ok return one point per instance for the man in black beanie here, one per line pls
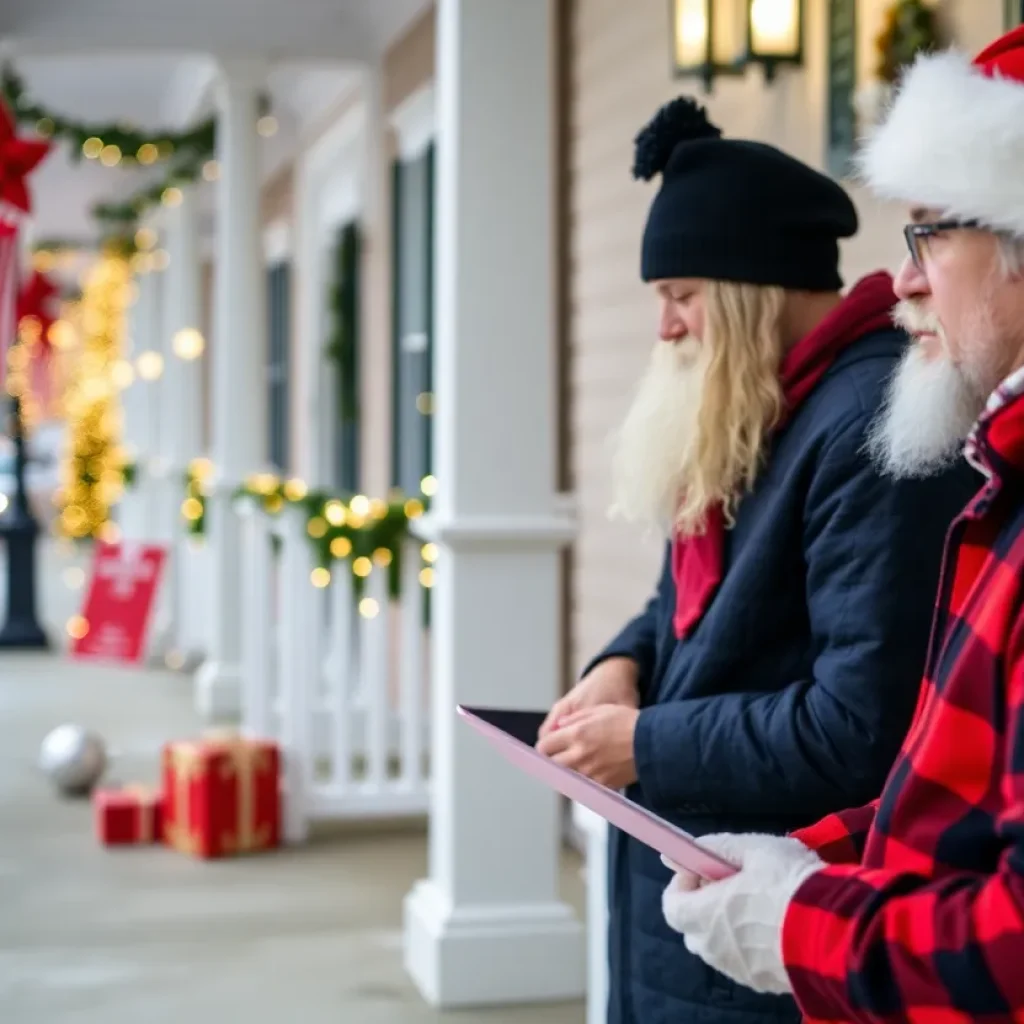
(772, 676)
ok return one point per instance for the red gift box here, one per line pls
(221, 796)
(128, 816)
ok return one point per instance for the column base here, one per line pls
(492, 954)
(218, 691)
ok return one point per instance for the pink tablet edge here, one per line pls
(667, 839)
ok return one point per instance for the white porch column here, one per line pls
(182, 396)
(487, 926)
(238, 400)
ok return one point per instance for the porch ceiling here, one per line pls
(149, 62)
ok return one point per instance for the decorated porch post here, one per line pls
(18, 527)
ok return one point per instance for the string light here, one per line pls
(428, 485)
(188, 344)
(77, 627)
(150, 365)
(92, 148)
(110, 156)
(368, 608)
(147, 154)
(92, 470)
(146, 238)
(320, 578)
(172, 196)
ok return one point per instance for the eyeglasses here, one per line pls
(917, 234)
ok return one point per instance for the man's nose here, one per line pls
(910, 282)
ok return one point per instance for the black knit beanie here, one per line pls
(736, 210)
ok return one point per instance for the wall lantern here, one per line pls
(722, 37)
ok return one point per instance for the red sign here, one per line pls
(119, 603)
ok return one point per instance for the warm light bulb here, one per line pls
(368, 608)
(295, 490)
(320, 578)
(172, 196)
(92, 147)
(383, 557)
(110, 156)
(360, 505)
(211, 170)
(150, 365)
(188, 343)
(428, 485)
(148, 153)
(775, 27)
(78, 627)
(334, 512)
(317, 528)
(122, 374)
(341, 547)
(429, 552)
(427, 577)
(362, 566)
(146, 238)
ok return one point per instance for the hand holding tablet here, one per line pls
(514, 734)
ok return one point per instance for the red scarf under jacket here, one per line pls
(697, 561)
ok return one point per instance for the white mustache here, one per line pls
(915, 320)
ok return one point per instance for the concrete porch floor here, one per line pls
(146, 936)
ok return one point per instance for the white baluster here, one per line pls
(411, 666)
(341, 669)
(374, 661)
(296, 667)
(255, 597)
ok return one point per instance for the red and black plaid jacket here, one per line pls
(919, 916)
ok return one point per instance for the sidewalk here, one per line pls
(147, 936)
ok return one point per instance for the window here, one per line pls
(412, 364)
(343, 353)
(278, 337)
(842, 84)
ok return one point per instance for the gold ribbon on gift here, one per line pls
(244, 762)
(146, 797)
(187, 764)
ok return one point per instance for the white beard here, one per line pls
(930, 408)
(655, 445)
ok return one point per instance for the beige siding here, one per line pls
(409, 64)
(619, 75)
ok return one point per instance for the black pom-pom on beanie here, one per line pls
(736, 210)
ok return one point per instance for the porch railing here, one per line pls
(339, 679)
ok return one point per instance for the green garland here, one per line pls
(185, 153)
(911, 27)
(367, 534)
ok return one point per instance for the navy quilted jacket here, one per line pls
(790, 698)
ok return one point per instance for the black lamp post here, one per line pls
(19, 530)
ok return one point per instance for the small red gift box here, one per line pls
(221, 796)
(128, 816)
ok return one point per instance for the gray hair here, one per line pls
(1011, 254)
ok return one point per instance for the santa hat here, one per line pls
(953, 136)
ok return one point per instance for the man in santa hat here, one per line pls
(912, 907)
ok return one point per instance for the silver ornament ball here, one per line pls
(73, 758)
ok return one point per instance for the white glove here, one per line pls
(735, 925)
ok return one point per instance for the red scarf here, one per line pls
(697, 561)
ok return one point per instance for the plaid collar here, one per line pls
(996, 444)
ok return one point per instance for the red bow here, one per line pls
(18, 158)
(37, 299)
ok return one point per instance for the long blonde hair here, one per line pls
(741, 399)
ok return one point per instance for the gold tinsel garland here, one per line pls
(92, 471)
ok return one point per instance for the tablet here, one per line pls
(514, 734)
